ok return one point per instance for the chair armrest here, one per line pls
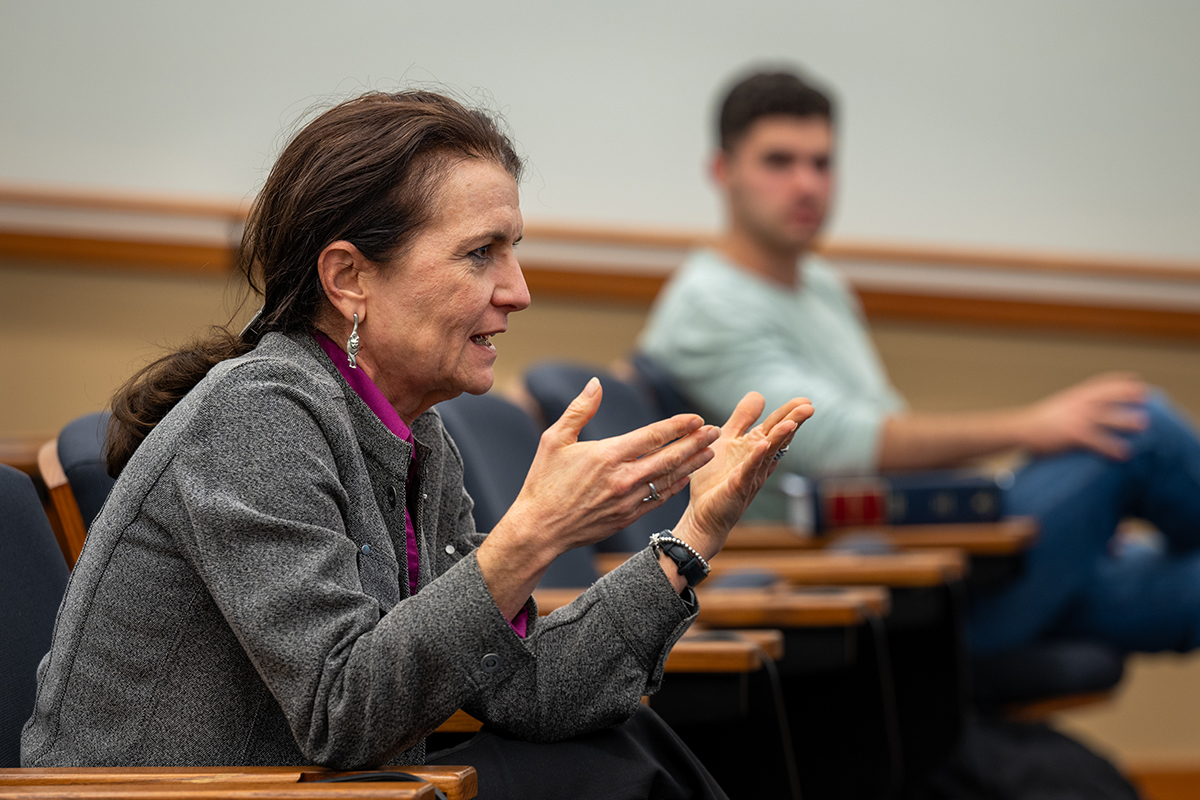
(70, 531)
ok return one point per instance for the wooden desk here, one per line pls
(1009, 536)
(775, 607)
(224, 783)
(908, 569)
(792, 607)
(221, 790)
(694, 652)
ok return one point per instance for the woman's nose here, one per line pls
(511, 291)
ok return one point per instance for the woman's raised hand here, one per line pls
(585, 491)
(579, 493)
(744, 455)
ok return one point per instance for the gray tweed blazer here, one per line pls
(243, 596)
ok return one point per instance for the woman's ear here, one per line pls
(341, 267)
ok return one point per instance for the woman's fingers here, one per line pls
(747, 412)
(664, 489)
(786, 410)
(780, 435)
(669, 470)
(655, 436)
(680, 474)
(578, 414)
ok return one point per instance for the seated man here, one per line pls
(760, 312)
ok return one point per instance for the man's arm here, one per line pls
(1090, 415)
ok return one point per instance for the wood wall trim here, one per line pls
(1156, 323)
(162, 257)
(894, 252)
(561, 275)
(133, 202)
(608, 286)
(641, 289)
(1026, 261)
(102, 200)
(954, 309)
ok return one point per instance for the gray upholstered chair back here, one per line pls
(81, 453)
(498, 442)
(33, 577)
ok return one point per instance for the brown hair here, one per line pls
(764, 94)
(366, 171)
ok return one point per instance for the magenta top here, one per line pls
(365, 388)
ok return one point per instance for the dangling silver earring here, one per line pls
(352, 344)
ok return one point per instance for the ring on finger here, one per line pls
(779, 453)
(653, 497)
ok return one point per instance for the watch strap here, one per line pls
(690, 564)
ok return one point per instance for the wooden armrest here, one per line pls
(70, 530)
(1006, 537)
(908, 569)
(456, 782)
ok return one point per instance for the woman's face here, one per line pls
(429, 319)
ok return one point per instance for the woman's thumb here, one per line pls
(581, 410)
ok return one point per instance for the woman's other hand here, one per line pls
(744, 458)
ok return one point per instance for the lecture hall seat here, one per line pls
(33, 578)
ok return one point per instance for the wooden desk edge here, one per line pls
(929, 567)
(1009, 536)
(457, 782)
(209, 789)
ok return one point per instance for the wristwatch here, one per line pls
(691, 564)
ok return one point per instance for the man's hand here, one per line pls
(1089, 415)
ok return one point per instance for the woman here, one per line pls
(287, 570)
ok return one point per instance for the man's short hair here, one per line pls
(764, 94)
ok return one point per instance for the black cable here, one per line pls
(959, 603)
(887, 693)
(785, 731)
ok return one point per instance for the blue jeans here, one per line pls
(1075, 583)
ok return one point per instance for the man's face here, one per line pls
(779, 179)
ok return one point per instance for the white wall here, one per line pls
(1056, 124)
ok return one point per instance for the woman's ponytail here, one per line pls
(146, 398)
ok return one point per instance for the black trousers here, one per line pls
(641, 759)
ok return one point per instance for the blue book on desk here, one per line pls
(915, 498)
